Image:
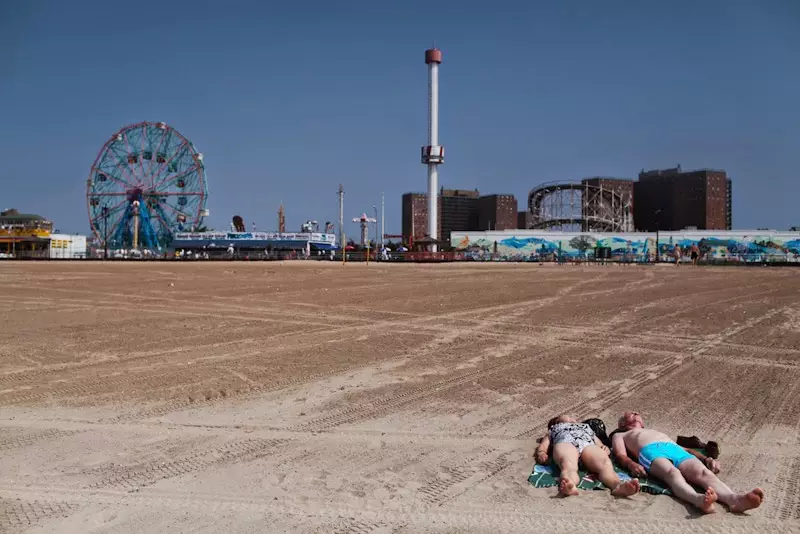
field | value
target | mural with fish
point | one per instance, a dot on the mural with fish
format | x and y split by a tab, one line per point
720	245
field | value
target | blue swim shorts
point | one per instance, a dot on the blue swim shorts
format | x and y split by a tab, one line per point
664	449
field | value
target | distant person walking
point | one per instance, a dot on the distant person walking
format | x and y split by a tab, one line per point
677	252
695	254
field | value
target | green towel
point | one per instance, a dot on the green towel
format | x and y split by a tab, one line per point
546	476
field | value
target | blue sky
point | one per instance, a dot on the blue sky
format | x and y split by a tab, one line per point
287	101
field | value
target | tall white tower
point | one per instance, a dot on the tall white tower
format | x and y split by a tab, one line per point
433	153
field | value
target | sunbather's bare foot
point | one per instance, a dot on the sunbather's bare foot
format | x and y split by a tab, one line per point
707	507
748	501
566	487
626	489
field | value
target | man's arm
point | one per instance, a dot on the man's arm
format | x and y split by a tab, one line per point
621	456
709	462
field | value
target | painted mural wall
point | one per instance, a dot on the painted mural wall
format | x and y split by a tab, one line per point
521	245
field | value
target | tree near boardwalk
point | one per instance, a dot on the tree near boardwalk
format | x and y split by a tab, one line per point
582	243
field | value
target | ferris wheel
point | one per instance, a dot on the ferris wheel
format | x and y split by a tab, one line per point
147	183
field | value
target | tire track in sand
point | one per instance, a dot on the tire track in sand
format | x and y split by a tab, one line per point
17	514
786	493
390	403
26	440
480	518
132	478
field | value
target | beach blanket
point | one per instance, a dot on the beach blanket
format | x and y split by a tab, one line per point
546	476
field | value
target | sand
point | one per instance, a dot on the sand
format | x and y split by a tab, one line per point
316	397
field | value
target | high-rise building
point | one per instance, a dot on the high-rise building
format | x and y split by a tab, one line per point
415	216
729	206
670	199
497	212
458	211
523	219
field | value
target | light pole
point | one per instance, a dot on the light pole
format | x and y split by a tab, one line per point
375	209
105	232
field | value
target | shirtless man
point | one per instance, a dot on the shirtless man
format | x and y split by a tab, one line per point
666	460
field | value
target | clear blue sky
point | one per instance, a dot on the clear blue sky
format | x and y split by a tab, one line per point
287	101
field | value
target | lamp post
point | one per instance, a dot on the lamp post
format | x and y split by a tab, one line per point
375	209
383	223
105	232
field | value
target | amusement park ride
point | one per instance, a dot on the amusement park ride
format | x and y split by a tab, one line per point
364	223
147	183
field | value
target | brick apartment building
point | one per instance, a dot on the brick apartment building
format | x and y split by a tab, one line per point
497	212
670	199
523	219
415	216
460	210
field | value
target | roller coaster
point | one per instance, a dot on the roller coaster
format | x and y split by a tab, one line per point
580	206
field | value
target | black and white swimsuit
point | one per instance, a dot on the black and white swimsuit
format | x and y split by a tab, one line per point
579	434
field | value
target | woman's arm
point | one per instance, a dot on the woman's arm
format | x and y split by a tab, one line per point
541	450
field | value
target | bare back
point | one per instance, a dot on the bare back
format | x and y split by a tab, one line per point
637	438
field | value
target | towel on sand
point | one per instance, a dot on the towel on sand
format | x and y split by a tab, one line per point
546	476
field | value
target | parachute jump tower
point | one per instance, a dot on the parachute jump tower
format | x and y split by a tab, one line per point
433	153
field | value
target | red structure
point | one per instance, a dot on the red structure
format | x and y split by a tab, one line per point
670	199
433	55
497	212
460	210
415	216
524	220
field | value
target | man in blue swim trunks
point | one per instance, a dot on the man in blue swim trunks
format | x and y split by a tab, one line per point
661	457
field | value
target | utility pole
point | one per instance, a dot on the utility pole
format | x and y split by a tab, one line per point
383	233
375	209
341	217
105	231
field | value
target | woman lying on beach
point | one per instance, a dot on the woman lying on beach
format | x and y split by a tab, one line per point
575	443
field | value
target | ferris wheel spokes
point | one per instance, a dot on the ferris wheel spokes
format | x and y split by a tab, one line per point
175	178
118	166
169	164
160	158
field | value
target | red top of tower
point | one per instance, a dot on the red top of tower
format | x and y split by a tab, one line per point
433	55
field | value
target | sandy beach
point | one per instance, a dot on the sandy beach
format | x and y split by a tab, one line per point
320	397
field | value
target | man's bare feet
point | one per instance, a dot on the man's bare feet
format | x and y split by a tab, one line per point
748	501
707	506
566	487
626	489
